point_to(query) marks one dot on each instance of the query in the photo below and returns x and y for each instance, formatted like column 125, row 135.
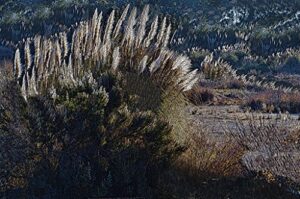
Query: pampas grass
column 123, row 47
column 18, row 69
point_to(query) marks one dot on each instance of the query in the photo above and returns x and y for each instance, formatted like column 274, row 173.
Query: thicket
column 92, row 109
column 83, row 144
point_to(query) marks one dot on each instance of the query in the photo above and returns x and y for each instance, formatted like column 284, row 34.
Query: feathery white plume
column 152, row 33
column 98, row 34
column 24, row 87
column 95, row 22
column 109, row 27
column 161, row 33
column 142, row 25
column 181, row 61
column 37, row 49
column 129, row 31
column 143, row 64
column 74, row 35
column 167, row 36
column 116, row 58
column 34, row 81
column 86, row 34
column 58, row 52
column 157, row 63
column 120, row 22
column 65, row 44
column 190, row 80
column 28, row 59
column 17, row 64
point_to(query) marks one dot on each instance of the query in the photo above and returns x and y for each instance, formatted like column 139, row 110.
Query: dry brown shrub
column 272, row 148
column 294, row 137
column 200, row 95
column 205, row 158
column 274, row 102
column 5, row 69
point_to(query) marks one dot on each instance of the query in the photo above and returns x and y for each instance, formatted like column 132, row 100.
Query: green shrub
column 85, row 145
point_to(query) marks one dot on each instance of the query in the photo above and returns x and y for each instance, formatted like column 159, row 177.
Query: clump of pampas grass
column 125, row 44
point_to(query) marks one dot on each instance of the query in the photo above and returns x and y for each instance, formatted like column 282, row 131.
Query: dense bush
column 90, row 125
column 85, row 143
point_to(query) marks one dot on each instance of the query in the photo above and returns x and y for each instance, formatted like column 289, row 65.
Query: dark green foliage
column 14, row 142
column 148, row 95
column 87, row 144
column 291, row 66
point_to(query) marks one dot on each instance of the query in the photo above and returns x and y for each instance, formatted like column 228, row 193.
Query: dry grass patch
column 199, row 95
column 205, row 158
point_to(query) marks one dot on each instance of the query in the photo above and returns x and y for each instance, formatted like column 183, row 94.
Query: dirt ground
column 267, row 152
column 217, row 120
